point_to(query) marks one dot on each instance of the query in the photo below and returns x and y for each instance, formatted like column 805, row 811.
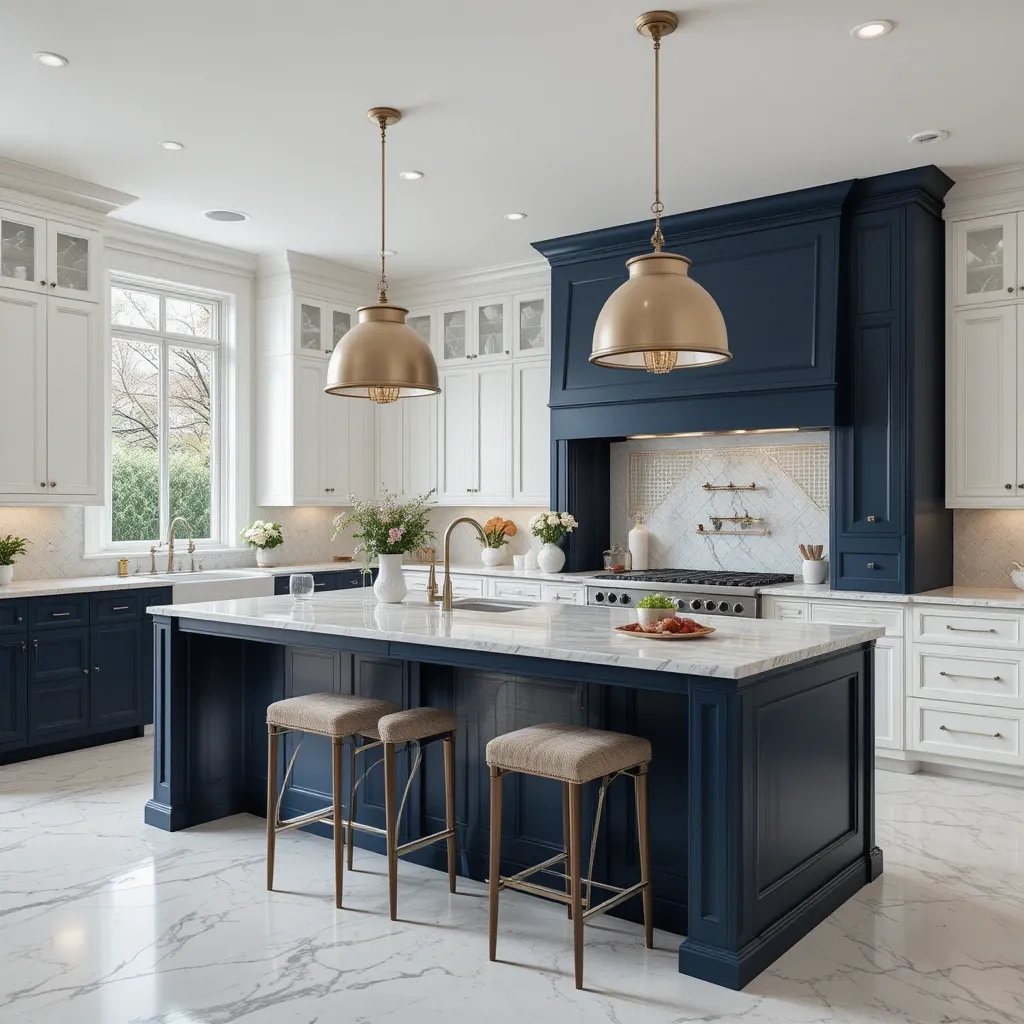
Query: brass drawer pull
column 964, row 675
column 972, row 732
column 965, row 629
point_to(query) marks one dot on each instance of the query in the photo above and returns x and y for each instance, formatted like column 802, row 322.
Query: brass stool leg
column 644, row 835
column 576, row 843
column 391, row 815
column 271, row 802
column 494, row 879
column 339, row 819
column 449, row 805
column 351, row 799
column 567, row 843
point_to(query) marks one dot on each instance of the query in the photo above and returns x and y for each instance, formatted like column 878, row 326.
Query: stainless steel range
column 709, row 592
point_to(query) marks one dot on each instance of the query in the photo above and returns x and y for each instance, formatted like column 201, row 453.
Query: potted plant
column 264, row 537
column 653, row 608
column 497, row 531
column 10, row 546
column 551, row 527
column 386, row 530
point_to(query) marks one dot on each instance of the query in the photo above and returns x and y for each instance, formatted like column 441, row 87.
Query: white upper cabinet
column 492, row 423
column 310, row 434
column 455, row 437
column 984, row 451
column 492, row 329
column 389, row 448
column 531, row 428
column 23, row 409
column 22, row 252
column 531, row 325
column 407, row 447
column 72, row 259
column 312, row 328
column 424, row 323
column 454, row 343
column 985, row 260
column 340, row 321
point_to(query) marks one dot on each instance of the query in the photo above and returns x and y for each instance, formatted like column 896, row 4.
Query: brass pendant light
column 382, row 358
column 660, row 319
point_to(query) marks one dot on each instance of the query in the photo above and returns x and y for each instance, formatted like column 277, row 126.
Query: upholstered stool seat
column 415, row 724
column 574, row 756
column 329, row 714
column 568, row 753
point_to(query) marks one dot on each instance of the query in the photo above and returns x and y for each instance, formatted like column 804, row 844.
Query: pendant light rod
column 385, row 117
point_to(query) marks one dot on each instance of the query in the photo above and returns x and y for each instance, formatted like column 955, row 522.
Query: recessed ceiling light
column 515, row 216
column 411, row 175
column 388, row 252
column 928, row 136
column 872, row 29
column 226, row 216
column 51, row 60
column 172, row 145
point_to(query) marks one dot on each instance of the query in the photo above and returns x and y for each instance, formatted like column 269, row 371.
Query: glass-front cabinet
column 22, row 252
column 530, row 324
column 454, row 340
column 986, row 260
column 492, row 328
column 342, row 319
column 423, row 322
column 72, row 258
column 312, row 329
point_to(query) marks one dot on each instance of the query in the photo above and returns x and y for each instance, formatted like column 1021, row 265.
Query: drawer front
column 13, row 616
column 869, row 567
column 115, row 607
column 967, row 676
column 965, row 730
column 352, row 579
column 847, row 613
column 523, row 590
column 58, row 612
column 982, row 627
column 786, row 610
column 322, row 582
column 464, row 586
column 555, row 594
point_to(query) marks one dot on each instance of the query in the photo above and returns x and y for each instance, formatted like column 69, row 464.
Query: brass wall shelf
column 732, row 533
column 729, row 487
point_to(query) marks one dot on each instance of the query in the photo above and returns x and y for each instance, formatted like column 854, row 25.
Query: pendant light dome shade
column 660, row 320
column 382, row 358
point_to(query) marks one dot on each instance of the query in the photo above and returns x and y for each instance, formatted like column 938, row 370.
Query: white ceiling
column 542, row 106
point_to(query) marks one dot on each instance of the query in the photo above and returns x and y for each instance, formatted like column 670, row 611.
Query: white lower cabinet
column 561, row 593
column 971, row 731
column 520, row 590
column 889, row 693
column 52, row 359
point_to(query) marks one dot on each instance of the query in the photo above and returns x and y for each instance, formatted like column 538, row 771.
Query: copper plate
column 665, row 636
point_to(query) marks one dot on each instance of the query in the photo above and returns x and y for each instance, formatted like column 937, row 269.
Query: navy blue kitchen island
column 761, row 785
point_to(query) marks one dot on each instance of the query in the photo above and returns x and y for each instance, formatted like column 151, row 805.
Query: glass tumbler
column 300, row 586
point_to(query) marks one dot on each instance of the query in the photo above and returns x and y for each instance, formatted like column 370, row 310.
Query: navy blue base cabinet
column 75, row 670
column 343, row 579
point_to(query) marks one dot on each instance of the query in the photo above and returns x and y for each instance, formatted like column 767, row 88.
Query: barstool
column 340, row 717
column 574, row 756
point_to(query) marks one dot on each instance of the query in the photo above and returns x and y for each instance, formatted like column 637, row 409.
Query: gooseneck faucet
column 170, row 542
column 446, row 592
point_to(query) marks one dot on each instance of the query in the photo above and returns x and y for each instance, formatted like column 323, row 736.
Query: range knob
column 737, row 609
column 710, row 606
column 599, row 597
column 696, row 605
column 723, row 606
column 624, row 599
column 612, row 599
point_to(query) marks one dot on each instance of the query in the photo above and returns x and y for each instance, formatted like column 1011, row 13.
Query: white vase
column 6, row 574
column 492, row 557
column 551, row 558
column 265, row 559
column 390, row 587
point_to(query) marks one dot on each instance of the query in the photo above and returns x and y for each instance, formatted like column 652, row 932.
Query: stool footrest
column 614, row 901
column 325, row 814
column 417, row 844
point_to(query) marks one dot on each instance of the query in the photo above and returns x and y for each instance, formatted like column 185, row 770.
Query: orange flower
column 510, row 528
column 493, row 523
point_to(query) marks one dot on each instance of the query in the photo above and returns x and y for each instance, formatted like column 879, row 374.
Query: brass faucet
column 446, row 593
column 170, row 543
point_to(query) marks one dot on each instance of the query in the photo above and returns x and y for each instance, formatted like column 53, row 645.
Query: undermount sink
column 483, row 604
column 219, row 585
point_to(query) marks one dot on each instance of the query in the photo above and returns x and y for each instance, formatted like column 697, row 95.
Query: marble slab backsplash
column 56, row 538
column 662, row 479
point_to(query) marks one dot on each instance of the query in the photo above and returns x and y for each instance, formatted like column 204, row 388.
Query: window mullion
column 165, row 466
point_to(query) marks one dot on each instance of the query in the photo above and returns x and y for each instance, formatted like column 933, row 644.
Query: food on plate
column 671, row 625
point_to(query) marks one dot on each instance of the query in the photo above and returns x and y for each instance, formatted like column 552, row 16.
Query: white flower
column 553, row 518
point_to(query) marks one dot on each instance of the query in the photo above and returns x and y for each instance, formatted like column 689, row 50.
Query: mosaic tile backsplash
column 56, row 535
column 662, row 480
column 985, row 542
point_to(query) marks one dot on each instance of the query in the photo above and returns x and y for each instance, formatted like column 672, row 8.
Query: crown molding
column 62, row 188
column 414, row 291
column 152, row 242
column 996, row 190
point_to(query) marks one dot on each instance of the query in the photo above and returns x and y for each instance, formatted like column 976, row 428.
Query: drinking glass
column 519, row 563
column 300, row 586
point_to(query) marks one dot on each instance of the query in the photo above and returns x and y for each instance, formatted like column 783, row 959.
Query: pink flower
column 395, row 534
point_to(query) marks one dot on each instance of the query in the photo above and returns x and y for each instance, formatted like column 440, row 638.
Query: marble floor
column 103, row 920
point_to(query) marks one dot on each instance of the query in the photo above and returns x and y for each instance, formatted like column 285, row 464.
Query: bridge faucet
column 446, row 593
column 170, row 543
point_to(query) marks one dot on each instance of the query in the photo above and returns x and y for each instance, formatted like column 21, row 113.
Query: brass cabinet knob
column 872, row 519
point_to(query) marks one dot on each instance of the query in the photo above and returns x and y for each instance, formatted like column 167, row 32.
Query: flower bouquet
column 264, row 537
column 497, row 531
column 550, row 528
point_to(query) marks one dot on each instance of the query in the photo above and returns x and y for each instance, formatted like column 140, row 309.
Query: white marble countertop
column 473, row 569
column 823, row 590
column 83, row 584
column 739, row 648
column 983, row 597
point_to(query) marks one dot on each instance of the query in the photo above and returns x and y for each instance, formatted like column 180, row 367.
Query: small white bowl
column 1017, row 575
column 649, row 616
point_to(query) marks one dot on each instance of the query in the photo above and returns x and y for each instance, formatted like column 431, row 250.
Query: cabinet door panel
column 986, row 260
column 22, row 252
column 58, row 684
column 310, row 429
column 73, row 388
column 492, row 329
column 73, row 261
column 420, row 444
column 339, row 447
column 312, row 327
column 115, row 697
column 532, row 422
column 388, row 445
column 984, row 413
column 13, row 693
column 23, row 409
column 889, row 693
column 456, row 435
column 494, row 433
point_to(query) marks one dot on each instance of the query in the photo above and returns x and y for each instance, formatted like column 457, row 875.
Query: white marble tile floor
column 104, row 920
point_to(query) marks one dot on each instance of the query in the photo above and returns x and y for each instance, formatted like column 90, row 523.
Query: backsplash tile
column 662, row 479
column 985, row 542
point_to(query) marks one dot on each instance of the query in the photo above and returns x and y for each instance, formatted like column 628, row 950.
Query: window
column 164, row 372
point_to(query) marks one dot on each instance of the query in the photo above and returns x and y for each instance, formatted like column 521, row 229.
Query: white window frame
column 99, row 528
